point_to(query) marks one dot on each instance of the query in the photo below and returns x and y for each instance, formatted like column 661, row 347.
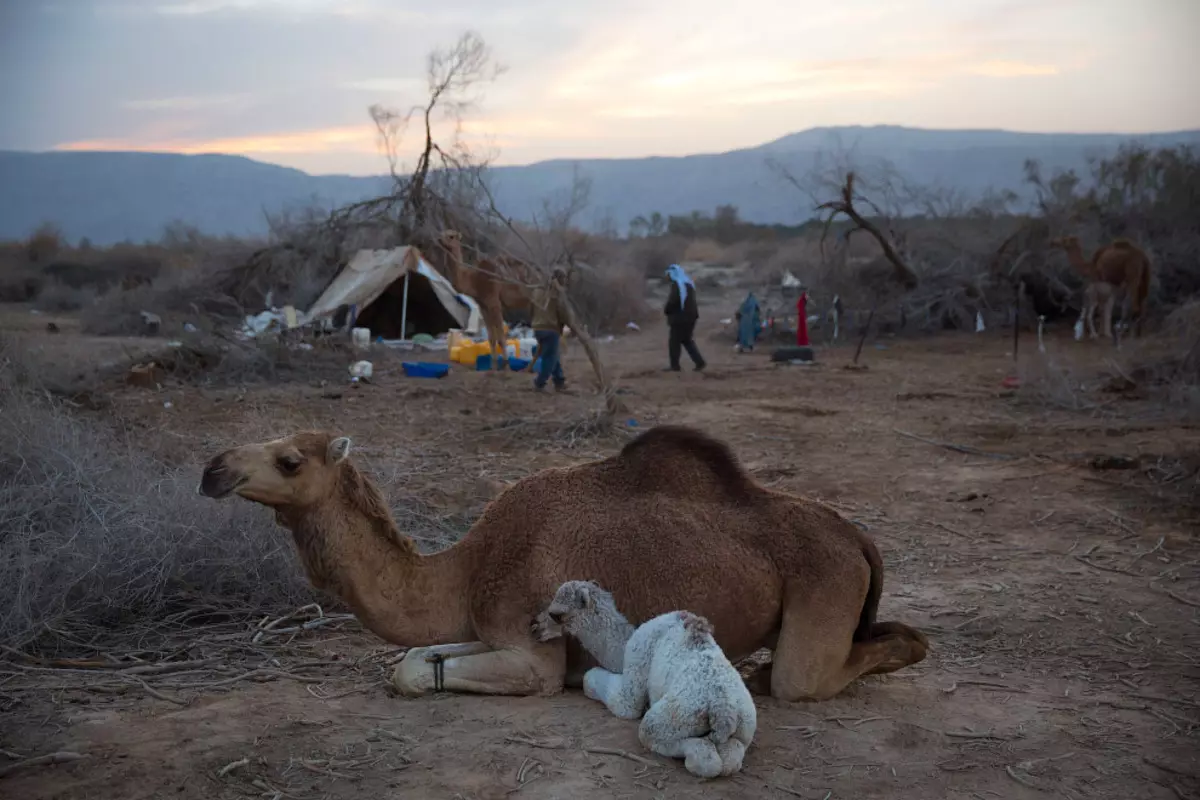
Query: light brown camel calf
column 1122, row 264
column 486, row 285
column 1097, row 296
column 671, row 522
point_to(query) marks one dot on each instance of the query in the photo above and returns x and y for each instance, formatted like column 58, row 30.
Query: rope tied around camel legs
column 439, row 671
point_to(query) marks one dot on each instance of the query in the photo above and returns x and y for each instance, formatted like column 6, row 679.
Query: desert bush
column 608, row 296
column 95, row 532
column 19, row 284
column 652, row 256
column 44, row 244
column 706, row 251
column 56, row 296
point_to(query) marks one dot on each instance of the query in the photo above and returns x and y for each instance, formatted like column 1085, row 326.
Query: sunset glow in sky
column 289, row 81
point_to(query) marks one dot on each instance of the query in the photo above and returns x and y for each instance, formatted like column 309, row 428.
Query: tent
column 394, row 290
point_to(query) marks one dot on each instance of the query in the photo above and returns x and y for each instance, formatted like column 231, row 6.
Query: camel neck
column 400, row 595
column 1081, row 264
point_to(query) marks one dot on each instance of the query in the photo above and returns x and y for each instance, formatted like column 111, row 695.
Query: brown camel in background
column 1122, row 264
column 671, row 522
column 486, row 284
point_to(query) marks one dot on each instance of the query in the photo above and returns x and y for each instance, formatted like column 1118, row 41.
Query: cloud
column 360, row 138
column 190, row 103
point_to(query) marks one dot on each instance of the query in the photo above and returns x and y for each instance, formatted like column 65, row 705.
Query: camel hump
column 671, row 456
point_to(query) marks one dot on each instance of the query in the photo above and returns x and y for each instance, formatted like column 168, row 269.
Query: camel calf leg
column 475, row 668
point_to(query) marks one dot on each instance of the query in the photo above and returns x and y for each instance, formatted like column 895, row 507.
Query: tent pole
column 404, row 311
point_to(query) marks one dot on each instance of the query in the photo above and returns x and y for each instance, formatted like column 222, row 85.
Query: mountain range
column 109, row 197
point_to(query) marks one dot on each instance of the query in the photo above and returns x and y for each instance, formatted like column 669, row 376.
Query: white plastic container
column 361, row 338
column 527, row 345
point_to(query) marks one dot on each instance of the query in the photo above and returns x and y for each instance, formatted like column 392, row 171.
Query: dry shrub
column 705, row 251
column 608, row 296
column 55, row 296
column 19, row 284
column 44, row 244
column 652, row 256
column 95, row 532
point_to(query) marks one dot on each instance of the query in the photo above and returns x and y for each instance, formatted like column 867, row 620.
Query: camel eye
column 288, row 465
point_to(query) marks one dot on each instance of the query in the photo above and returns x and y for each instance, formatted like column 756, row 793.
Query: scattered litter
column 1079, row 329
column 151, row 322
column 147, row 375
column 167, row 404
column 633, row 326
column 175, row 343
column 304, row 346
column 608, row 339
column 789, row 281
column 631, row 422
column 727, row 321
column 35, row 312
column 813, row 317
column 51, row 327
column 258, row 324
column 289, row 317
column 189, row 328
column 362, row 369
column 361, row 338
column 979, row 322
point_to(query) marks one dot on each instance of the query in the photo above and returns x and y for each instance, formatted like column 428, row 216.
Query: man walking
column 682, row 313
column 549, row 319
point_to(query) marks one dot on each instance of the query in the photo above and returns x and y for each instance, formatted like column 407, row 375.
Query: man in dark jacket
column 549, row 319
column 682, row 313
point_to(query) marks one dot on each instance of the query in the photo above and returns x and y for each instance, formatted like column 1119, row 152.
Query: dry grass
column 97, row 534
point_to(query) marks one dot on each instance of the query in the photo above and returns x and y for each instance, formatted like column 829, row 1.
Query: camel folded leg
column 815, row 659
column 474, row 668
column 670, row 731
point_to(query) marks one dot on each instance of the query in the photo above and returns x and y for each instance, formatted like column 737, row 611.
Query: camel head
column 1066, row 243
column 297, row 470
column 573, row 597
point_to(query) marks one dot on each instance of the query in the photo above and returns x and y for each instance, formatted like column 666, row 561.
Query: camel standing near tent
column 1122, row 264
column 671, row 522
column 485, row 283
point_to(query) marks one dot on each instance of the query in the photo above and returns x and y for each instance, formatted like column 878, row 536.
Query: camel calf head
column 571, row 598
column 296, row 471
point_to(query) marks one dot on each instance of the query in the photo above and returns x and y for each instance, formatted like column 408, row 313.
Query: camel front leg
column 1108, row 313
column 475, row 668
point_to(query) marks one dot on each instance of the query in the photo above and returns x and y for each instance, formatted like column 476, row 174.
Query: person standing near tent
column 682, row 313
column 749, row 323
column 549, row 319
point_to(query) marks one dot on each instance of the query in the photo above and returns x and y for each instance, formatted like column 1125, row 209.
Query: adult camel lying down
column 672, row 521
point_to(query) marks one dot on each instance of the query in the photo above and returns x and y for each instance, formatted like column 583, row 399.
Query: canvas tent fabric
column 373, row 281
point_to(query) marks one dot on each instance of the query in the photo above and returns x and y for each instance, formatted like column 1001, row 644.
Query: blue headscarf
column 676, row 273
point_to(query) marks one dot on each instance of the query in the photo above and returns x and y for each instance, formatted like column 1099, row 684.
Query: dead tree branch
column 845, row 206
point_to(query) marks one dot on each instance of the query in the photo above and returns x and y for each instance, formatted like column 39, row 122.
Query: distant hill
column 110, row 197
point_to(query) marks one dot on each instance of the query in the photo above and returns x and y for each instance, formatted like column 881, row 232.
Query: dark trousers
column 547, row 346
column 681, row 338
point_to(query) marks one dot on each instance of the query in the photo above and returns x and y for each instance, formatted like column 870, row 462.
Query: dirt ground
column 1061, row 600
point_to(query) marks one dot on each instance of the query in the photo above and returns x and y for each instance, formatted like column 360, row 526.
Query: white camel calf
column 700, row 709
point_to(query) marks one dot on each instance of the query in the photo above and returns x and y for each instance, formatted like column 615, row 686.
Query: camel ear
column 589, row 599
column 339, row 448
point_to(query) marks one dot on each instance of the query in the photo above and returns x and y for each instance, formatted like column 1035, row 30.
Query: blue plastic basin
column 424, row 369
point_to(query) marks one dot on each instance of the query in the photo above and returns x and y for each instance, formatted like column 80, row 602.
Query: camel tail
column 866, row 619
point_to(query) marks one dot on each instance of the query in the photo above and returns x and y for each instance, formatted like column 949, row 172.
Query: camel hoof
column 544, row 629
column 413, row 676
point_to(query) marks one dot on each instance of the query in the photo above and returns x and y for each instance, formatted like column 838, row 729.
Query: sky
column 290, row 81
